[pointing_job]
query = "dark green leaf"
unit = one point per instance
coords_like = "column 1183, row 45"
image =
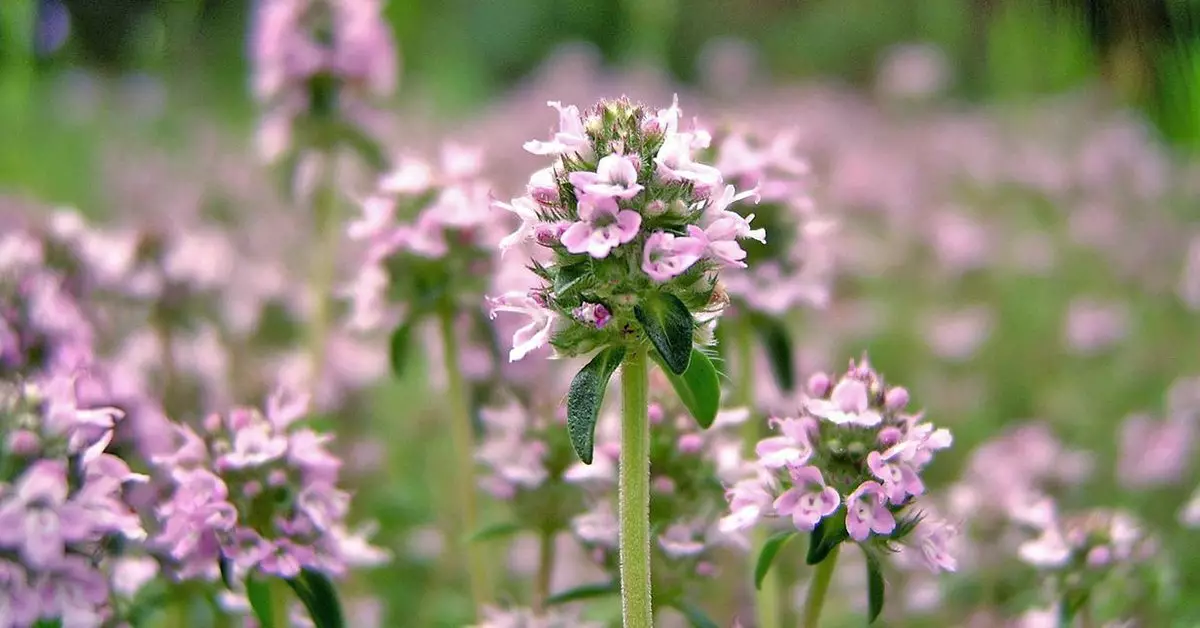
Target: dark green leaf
column 585, row 398
column 699, row 388
column 584, row 592
column 398, row 347
column 668, row 325
column 495, row 531
column 567, row 277
column 695, row 615
column 778, row 346
column 766, row 557
column 829, row 532
column 258, row 592
column 875, row 587
column 320, row 598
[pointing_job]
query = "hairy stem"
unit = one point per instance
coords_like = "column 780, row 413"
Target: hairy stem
column 818, row 588
column 634, row 507
column 462, row 437
column 541, row 586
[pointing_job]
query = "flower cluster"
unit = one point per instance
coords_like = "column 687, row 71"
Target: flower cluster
column 853, row 456
column 258, row 492
column 317, row 57
column 793, row 269
column 627, row 210
column 424, row 231
column 42, row 326
column 688, row 466
column 63, row 513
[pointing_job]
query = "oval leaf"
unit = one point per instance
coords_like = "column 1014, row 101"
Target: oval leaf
column 495, row 531
column 258, row 592
column 584, row 592
column 398, row 347
column 777, row 344
column 699, row 388
column 668, row 325
column 695, row 615
column 875, row 587
column 766, row 557
column 320, row 598
column 829, row 532
column 585, row 398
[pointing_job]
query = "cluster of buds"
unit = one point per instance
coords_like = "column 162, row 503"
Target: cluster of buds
column 315, row 61
column 632, row 220
column 258, row 493
column 63, row 514
column 688, row 468
column 850, row 465
column 425, row 230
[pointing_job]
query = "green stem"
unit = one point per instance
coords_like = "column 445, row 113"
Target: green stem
column 1085, row 615
column 541, row 586
column 818, row 588
column 634, row 509
column 462, row 437
column 325, row 224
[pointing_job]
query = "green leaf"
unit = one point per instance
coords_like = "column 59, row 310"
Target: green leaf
column 766, row 557
column 567, row 277
column 778, row 346
column 875, row 586
column 829, row 532
column 258, row 592
column 495, row 531
column 398, row 347
column 695, row 615
column 584, row 592
column 320, row 598
column 668, row 325
column 585, row 398
column 699, row 388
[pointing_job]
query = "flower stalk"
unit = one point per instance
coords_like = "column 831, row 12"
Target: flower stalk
column 462, row 441
column 541, row 586
column 818, row 589
column 634, row 510
column 325, row 222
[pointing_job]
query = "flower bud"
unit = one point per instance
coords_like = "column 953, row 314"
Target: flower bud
column 664, row 485
column 896, row 399
column 818, row 385
column 655, row 412
column 690, row 443
column 23, row 443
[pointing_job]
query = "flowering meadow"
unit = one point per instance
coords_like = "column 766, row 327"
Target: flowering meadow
column 613, row 350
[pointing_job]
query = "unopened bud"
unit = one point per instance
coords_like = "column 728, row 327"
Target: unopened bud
column 818, row 385
column 690, row 443
column 655, row 412
column 896, row 399
column 23, row 443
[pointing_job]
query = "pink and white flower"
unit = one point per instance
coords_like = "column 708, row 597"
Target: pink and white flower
column 602, row 226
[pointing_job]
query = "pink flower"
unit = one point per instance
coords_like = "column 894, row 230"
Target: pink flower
column 848, row 404
column 933, row 539
column 791, row 449
column 594, row 314
column 543, row 186
column 602, row 227
column 570, row 138
column 808, row 500
column 674, row 162
column 749, row 500
column 525, row 209
column 615, row 177
column 866, row 512
column 533, row 335
column 898, row 477
column 667, row 255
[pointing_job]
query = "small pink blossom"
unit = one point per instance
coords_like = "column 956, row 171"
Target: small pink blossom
column 570, row 138
column 615, row 178
column 791, row 448
column 533, row 335
column 525, row 209
column 867, row 512
column 602, row 226
column 749, row 500
column 667, row 255
column 808, row 500
column 849, row 404
column 899, row 478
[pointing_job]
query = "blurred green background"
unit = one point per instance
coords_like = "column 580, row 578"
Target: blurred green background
column 188, row 55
